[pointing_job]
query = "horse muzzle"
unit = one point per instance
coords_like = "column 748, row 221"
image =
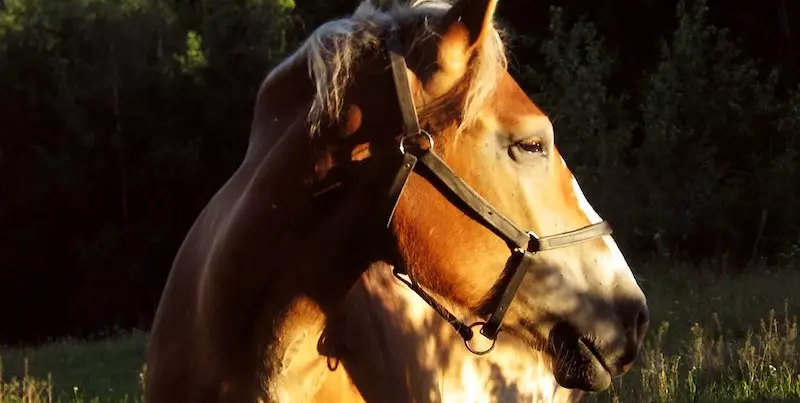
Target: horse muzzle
column 588, row 359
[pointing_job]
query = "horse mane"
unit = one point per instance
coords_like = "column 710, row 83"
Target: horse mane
column 333, row 50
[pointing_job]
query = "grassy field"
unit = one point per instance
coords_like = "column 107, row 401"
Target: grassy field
column 715, row 337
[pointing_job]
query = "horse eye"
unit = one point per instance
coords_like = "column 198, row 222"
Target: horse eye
column 531, row 146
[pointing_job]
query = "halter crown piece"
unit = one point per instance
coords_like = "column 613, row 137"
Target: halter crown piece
column 523, row 244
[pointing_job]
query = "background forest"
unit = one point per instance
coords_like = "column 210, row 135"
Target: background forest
column 120, row 118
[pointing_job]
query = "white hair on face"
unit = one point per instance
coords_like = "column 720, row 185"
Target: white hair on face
column 335, row 48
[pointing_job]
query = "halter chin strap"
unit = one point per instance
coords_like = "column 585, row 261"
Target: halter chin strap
column 523, row 244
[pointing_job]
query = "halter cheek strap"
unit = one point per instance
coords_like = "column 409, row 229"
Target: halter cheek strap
column 523, row 244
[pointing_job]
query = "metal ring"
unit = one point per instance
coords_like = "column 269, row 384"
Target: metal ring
column 421, row 132
column 476, row 352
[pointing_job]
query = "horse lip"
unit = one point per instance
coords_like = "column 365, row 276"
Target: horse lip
column 539, row 343
column 594, row 374
column 592, row 348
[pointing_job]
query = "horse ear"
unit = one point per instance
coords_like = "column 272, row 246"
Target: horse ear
column 469, row 21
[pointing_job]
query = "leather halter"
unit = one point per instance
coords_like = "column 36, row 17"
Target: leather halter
column 523, row 244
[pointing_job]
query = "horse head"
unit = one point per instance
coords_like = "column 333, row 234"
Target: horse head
column 485, row 214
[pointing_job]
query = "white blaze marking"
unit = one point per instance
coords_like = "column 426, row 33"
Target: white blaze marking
column 584, row 204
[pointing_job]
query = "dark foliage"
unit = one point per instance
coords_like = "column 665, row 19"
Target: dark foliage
column 119, row 119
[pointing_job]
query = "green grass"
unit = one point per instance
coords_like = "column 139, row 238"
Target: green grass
column 72, row 371
column 715, row 337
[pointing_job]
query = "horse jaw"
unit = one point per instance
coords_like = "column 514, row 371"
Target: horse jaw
column 512, row 372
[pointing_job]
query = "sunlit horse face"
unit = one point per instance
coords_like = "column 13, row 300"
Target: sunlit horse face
column 581, row 304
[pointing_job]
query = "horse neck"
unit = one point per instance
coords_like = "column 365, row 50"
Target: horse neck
column 317, row 248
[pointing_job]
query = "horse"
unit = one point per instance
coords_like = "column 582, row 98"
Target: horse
column 383, row 237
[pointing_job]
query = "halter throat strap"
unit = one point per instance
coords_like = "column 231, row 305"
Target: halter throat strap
column 523, row 244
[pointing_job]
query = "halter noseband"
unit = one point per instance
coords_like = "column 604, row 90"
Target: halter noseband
column 523, row 244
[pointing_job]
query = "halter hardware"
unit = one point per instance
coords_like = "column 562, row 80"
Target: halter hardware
column 523, row 245
column 427, row 135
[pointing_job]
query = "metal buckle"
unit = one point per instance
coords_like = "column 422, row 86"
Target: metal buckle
column 534, row 240
column 421, row 133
